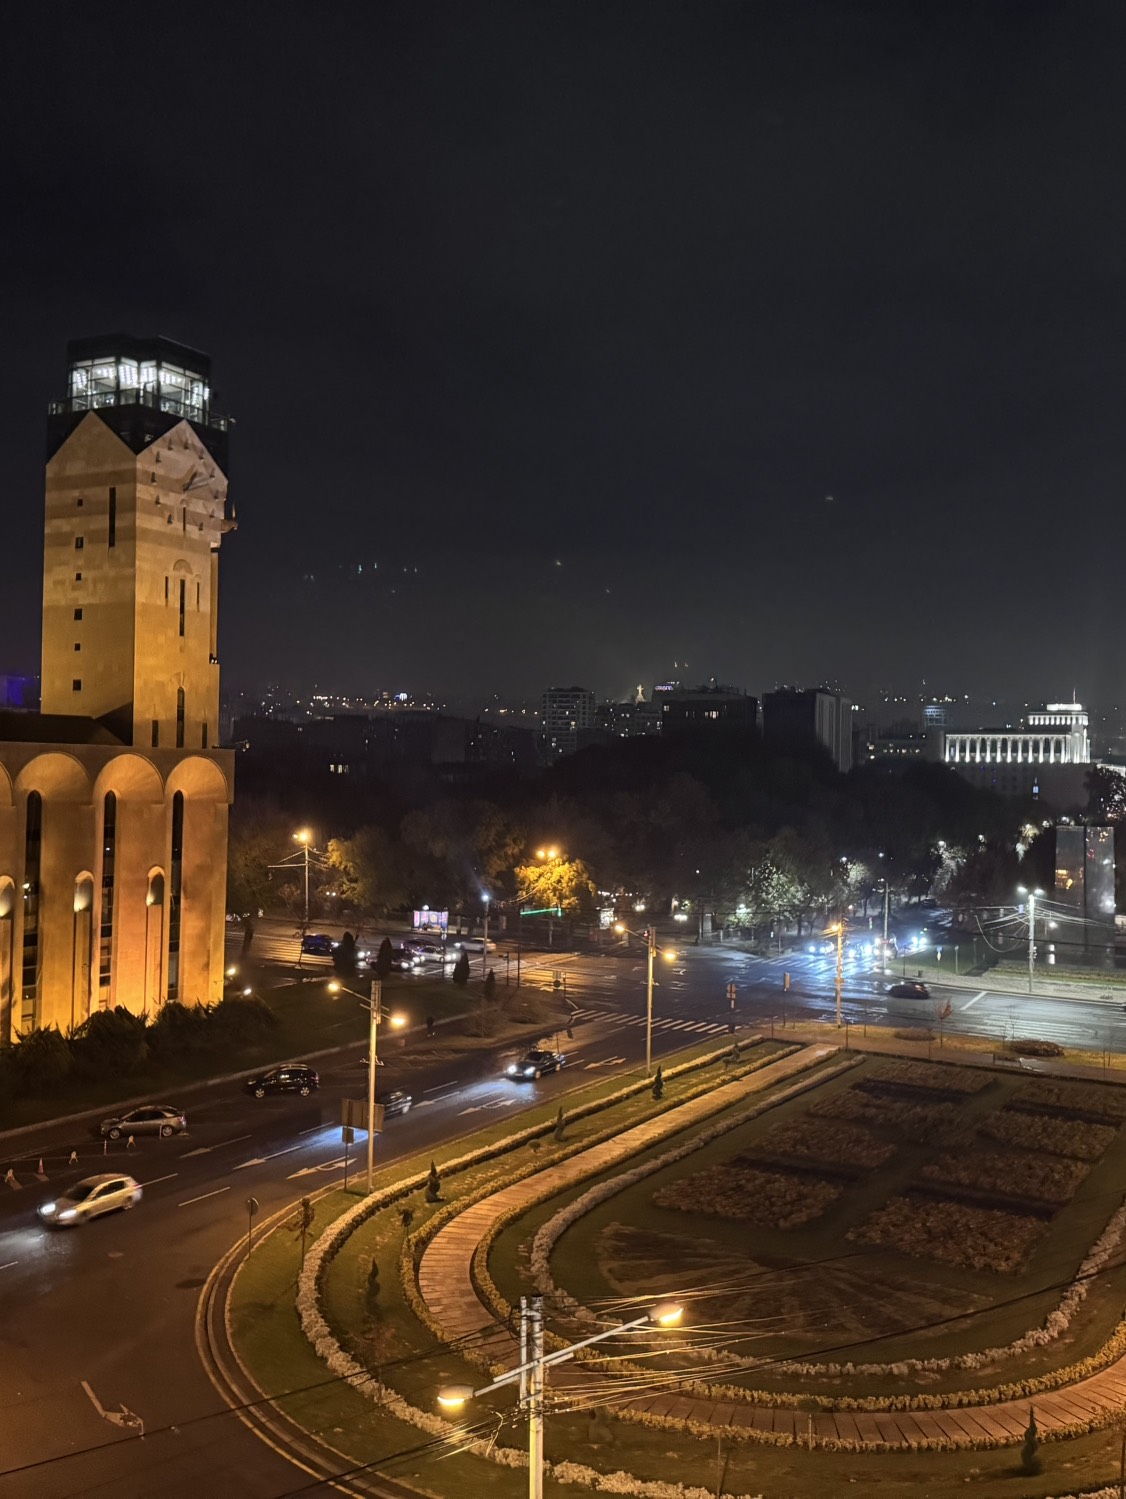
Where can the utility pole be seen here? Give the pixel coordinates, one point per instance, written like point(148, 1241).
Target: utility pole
point(886, 895)
point(485, 945)
point(374, 1017)
point(1031, 938)
point(840, 966)
point(535, 1397)
point(649, 1001)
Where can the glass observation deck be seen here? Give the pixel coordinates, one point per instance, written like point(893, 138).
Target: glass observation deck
point(156, 373)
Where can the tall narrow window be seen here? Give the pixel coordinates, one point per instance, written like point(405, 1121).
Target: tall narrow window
point(156, 733)
point(112, 516)
point(175, 886)
point(203, 741)
point(179, 718)
point(33, 843)
point(109, 854)
point(183, 603)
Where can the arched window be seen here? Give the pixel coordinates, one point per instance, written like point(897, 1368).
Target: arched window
point(175, 886)
point(33, 844)
point(109, 857)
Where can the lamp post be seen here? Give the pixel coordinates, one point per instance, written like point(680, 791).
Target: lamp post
point(485, 942)
point(303, 837)
point(838, 931)
point(1032, 897)
point(374, 1007)
point(529, 1374)
point(669, 955)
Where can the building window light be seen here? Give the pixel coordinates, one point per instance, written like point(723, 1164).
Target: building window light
point(76, 685)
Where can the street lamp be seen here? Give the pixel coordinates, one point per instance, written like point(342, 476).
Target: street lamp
point(1032, 896)
point(838, 931)
point(305, 838)
point(374, 1007)
point(534, 1363)
point(669, 955)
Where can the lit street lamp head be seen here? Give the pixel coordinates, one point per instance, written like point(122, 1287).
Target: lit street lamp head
point(453, 1396)
point(666, 1313)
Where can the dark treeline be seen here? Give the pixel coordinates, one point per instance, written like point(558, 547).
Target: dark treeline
point(719, 820)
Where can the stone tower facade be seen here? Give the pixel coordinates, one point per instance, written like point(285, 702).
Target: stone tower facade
point(114, 797)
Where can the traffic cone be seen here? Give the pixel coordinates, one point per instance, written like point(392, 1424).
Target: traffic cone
point(41, 1174)
point(130, 1144)
point(10, 1180)
point(73, 1158)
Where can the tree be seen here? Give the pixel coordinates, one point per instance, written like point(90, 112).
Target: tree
point(565, 883)
point(433, 1185)
point(302, 1222)
point(658, 1083)
point(369, 868)
point(490, 984)
point(372, 1295)
point(383, 958)
point(557, 1132)
point(460, 974)
point(1029, 1452)
point(406, 1218)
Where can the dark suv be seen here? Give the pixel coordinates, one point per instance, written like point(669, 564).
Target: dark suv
point(294, 1077)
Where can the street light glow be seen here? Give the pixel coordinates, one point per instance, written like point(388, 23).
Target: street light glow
point(304, 836)
point(666, 1313)
point(454, 1396)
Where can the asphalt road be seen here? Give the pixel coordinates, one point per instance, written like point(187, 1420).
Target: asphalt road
point(104, 1316)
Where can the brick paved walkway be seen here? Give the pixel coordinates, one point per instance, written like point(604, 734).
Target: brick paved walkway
point(446, 1284)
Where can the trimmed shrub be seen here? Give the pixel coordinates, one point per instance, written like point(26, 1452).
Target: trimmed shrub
point(179, 1030)
point(111, 1042)
point(241, 1021)
point(41, 1060)
point(460, 974)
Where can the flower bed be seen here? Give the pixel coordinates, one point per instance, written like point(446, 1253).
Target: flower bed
point(1067, 1137)
point(1039, 1178)
point(914, 1121)
point(943, 1078)
point(1102, 1100)
point(816, 1140)
point(751, 1194)
point(956, 1233)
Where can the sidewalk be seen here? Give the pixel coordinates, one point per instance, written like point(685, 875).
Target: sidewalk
point(446, 1282)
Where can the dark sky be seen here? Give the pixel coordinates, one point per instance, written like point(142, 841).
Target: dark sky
point(564, 320)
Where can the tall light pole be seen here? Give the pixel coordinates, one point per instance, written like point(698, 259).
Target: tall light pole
point(529, 1374)
point(838, 931)
point(303, 837)
point(485, 942)
point(374, 1008)
point(1032, 895)
point(669, 955)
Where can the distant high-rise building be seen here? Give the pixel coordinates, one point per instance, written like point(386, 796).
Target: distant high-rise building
point(564, 713)
point(810, 714)
point(1085, 879)
point(710, 704)
point(630, 720)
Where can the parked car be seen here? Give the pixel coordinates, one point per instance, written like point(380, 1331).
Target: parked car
point(911, 989)
point(534, 1063)
point(317, 945)
point(150, 1119)
point(90, 1198)
point(293, 1077)
point(397, 1102)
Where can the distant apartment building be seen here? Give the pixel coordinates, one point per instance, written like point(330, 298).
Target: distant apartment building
point(898, 745)
point(629, 720)
point(709, 705)
point(810, 715)
point(565, 714)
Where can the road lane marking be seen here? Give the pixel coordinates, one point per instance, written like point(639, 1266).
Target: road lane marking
point(9, 1264)
point(437, 1088)
point(206, 1149)
point(312, 1130)
point(206, 1195)
point(260, 1160)
point(156, 1179)
point(975, 999)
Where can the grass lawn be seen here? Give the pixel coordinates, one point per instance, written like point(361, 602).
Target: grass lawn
point(809, 1289)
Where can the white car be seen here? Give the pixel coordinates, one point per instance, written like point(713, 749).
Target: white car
point(475, 944)
point(90, 1199)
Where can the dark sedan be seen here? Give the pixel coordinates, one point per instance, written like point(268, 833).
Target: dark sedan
point(910, 989)
point(294, 1077)
point(535, 1063)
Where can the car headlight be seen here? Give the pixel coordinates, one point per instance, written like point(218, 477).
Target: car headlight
point(48, 1208)
point(67, 1214)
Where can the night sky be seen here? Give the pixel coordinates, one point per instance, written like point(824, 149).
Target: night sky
point(563, 322)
